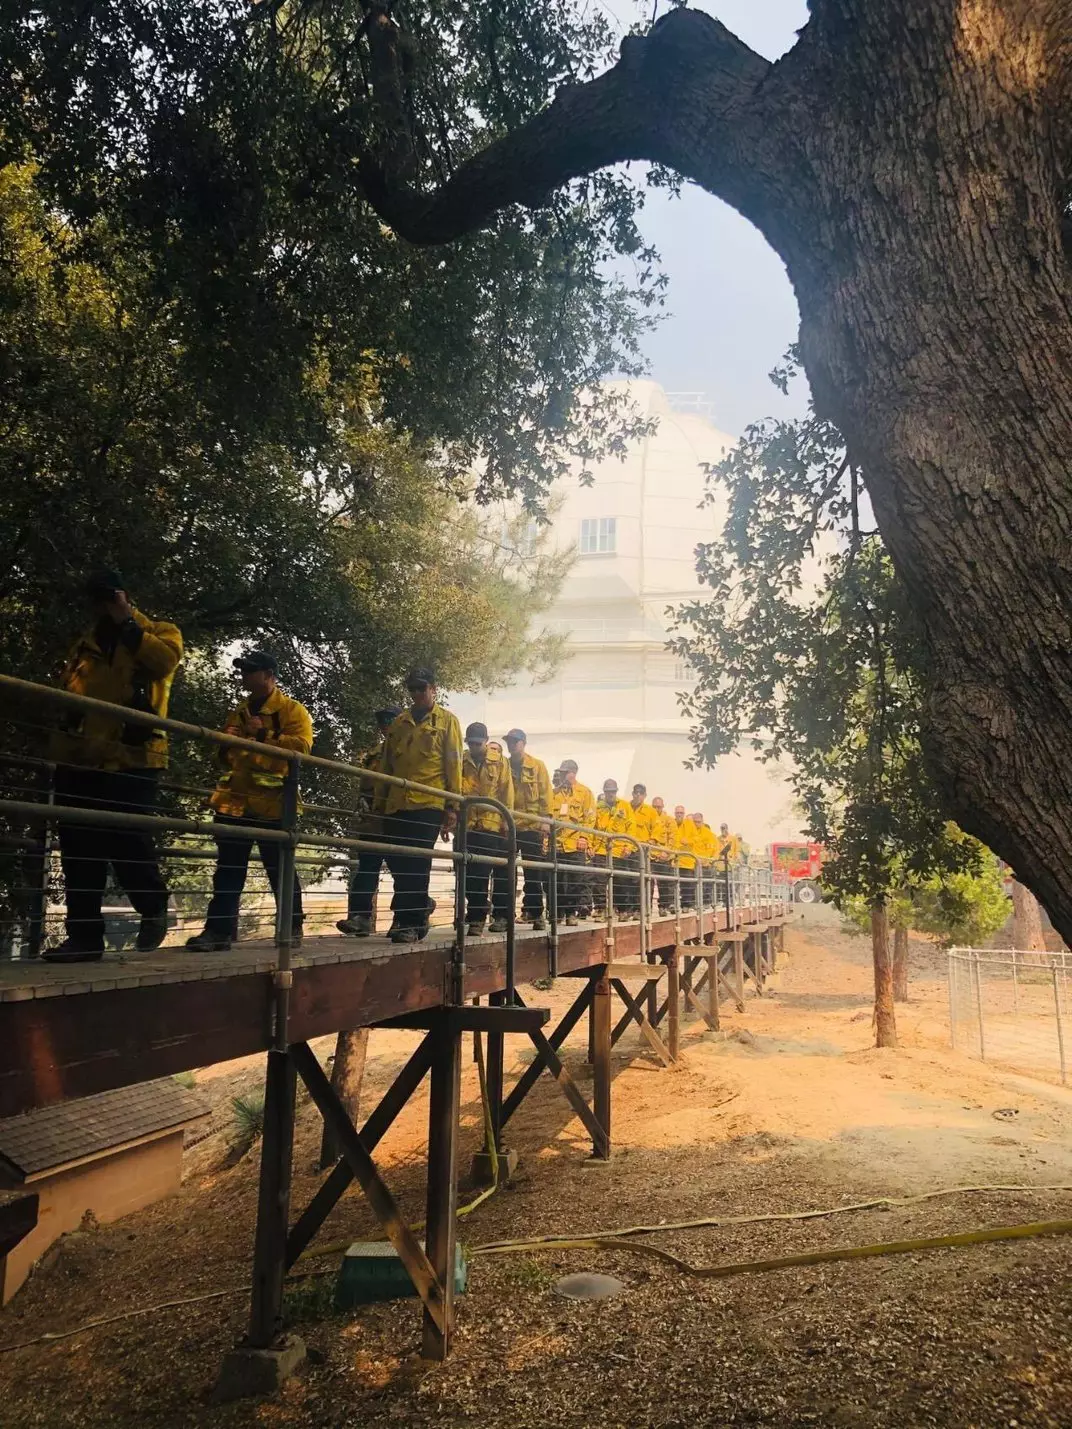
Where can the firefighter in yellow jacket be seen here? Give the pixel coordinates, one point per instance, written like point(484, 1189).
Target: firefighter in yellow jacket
point(486, 771)
point(102, 762)
point(706, 845)
point(250, 791)
point(646, 825)
point(662, 836)
point(573, 801)
point(424, 744)
point(614, 816)
point(532, 797)
point(685, 843)
point(360, 904)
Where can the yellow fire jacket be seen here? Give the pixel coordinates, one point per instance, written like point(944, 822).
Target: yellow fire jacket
point(579, 807)
point(428, 752)
point(616, 818)
point(706, 843)
point(685, 840)
point(662, 833)
point(252, 787)
point(732, 846)
point(532, 790)
point(492, 780)
point(97, 741)
point(645, 823)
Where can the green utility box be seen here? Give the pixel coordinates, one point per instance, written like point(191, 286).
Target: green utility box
point(371, 1270)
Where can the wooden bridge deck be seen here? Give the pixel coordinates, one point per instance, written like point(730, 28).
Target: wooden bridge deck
point(72, 1030)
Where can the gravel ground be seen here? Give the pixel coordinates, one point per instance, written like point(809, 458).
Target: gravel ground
point(795, 1112)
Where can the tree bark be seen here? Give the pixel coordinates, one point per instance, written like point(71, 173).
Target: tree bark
point(1026, 920)
point(885, 1018)
point(914, 175)
point(347, 1074)
point(900, 964)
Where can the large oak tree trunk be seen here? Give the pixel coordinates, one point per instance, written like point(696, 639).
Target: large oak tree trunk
point(885, 1017)
point(347, 1074)
point(911, 165)
point(1026, 920)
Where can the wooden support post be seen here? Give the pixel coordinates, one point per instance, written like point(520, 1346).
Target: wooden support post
point(496, 1058)
point(673, 998)
point(712, 991)
point(600, 1022)
point(738, 973)
point(273, 1201)
point(442, 1203)
point(757, 960)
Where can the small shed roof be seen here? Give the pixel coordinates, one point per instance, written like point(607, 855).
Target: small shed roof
point(88, 1127)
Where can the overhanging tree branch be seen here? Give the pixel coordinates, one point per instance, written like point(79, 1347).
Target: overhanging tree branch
point(688, 94)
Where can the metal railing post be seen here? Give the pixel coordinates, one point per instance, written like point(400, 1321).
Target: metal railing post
point(41, 860)
point(461, 868)
point(552, 906)
point(284, 916)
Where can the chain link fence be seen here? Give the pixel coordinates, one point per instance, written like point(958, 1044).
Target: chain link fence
point(1011, 1007)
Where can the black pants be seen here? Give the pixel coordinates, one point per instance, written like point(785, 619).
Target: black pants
point(666, 895)
point(688, 888)
point(87, 850)
point(530, 846)
point(574, 892)
point(479, 876)
point(232, 865)
point(364, 883)
point(599, 883)
point(628, 899)
point(411, 872)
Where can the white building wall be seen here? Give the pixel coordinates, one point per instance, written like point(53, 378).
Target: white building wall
point(613, 704)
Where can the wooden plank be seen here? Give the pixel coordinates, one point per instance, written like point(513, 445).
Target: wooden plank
point(375, 1128)
point(636, 972)
point(442, 1200)
point(273, 1201)
point(531, 1074)
point(738, 974)
point(58, 1047)
point(496, 1018)
point(712, 992)
point(376, 1192)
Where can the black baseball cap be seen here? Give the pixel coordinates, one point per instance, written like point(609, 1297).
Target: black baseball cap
point(476, 732)
point(255, 660)
point(640, 788)
point(610, 784)
point(515, 734)
point(420, 675)
point(104, 582)
point(569, 766)
point(388, 714)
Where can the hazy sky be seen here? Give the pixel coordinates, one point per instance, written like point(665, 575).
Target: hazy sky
point(731, 311)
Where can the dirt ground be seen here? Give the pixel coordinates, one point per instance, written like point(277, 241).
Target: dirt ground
point(793, 1110)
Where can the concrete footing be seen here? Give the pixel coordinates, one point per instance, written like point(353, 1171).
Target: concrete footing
point(482, 1172)
point(247, 1373)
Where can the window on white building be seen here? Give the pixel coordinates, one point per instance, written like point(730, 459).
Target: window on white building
point(598, 535)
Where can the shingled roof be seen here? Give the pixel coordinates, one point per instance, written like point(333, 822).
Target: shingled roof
point(87, 1127)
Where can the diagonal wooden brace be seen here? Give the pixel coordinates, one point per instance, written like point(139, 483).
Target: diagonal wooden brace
point(637, 1015)
point(375, 1188)
point(342, 1174)
point(573, 1094)
point(531, 1074)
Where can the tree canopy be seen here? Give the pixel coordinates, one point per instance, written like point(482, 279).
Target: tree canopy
point(349, 556)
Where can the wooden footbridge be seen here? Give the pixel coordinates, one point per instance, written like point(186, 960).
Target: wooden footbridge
point(73, 1030)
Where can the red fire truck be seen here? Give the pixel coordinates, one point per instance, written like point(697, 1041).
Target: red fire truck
point(802, 863)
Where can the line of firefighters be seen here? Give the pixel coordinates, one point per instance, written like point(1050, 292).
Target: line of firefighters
point(106, 763)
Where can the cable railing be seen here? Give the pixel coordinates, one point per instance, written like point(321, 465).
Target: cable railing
point(324, 840)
